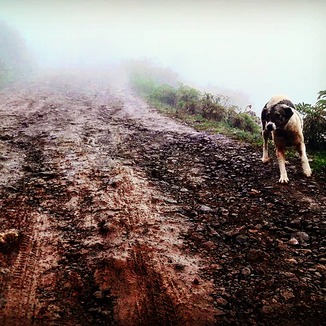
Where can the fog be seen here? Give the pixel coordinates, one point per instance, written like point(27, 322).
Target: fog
point(248, 49)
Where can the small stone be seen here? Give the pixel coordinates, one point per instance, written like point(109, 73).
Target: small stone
point(292, 261)
point(205, 208)
point(170, 200)
point(246, 271)
point(106, 313)
point(224, 211)
point(93, 310)
point(304, 251)
point(302, 236)
point(295, 222)
point(54, 308)
point(291, 276)
point(287, 294)
point(210, 245)
point(318, 274)
point(216, 266)
point(266, 309)
point(254, 192)
point(9, 236)
point(221, 302)
point(321, 268)
point(293, 241)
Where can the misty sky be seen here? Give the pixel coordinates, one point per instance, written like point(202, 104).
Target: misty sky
point(254, 49)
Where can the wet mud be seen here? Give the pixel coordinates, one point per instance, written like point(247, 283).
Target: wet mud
point(112, 214)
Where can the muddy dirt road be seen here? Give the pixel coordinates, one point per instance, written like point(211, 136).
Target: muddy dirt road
point(114, 215)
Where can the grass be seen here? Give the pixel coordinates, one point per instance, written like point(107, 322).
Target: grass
point(174, 101)
point(318, 163)
point(202, 124)
point(318, 158)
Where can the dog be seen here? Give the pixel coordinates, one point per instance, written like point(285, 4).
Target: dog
point(281, 121)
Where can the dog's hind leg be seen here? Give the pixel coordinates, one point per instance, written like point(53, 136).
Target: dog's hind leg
point(304, 160)
point(265, 134)
point(281, 162)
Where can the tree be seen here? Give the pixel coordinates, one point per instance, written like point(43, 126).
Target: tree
point(15, 59)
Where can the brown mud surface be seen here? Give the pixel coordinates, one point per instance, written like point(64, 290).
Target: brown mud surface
point(112, 214)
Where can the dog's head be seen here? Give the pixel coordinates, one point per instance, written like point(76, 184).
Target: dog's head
point(276, 116)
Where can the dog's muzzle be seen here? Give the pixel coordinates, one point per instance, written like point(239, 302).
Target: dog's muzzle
point(271, 126)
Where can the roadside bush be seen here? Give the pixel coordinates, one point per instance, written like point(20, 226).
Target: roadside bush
point(143, 86)
point(213, 111)
point(244, 121)
point(155, 93)
point(165, 94)
point(184, 100)
point(188, 99)
point(315, 122)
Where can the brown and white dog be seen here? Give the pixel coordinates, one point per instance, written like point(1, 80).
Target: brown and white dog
point(281, 120)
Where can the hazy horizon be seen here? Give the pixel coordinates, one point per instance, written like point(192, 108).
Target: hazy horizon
point(251, 49)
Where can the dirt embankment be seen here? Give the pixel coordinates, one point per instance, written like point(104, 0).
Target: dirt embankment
point(114, 215)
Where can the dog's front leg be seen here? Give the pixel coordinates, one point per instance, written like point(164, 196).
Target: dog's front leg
point(304, 160)
point(265, 134)
point(281, 162)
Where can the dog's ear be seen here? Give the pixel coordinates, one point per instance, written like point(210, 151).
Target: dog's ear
point(264, 113)
point(264, 116)
point(288, 112)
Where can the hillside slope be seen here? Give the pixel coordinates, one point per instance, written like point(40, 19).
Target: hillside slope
point(114, 215)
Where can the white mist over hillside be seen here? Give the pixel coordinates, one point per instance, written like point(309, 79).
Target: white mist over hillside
point(249, 50)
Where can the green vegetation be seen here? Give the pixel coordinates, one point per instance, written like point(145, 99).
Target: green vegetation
point(315, 122)
point(314, 129)
point(318, 163)
point(204, 111)
point(15, 60)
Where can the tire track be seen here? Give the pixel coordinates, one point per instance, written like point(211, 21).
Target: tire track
point(20, 291)
point(36, 254)
point(157, 307)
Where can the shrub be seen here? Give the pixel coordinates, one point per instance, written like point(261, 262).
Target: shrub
point(214, 111)
point(211, 110)
point(314, 126)
point(165, 94)
point(188, 99)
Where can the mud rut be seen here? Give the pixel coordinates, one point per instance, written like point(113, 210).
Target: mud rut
point(124, 217)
